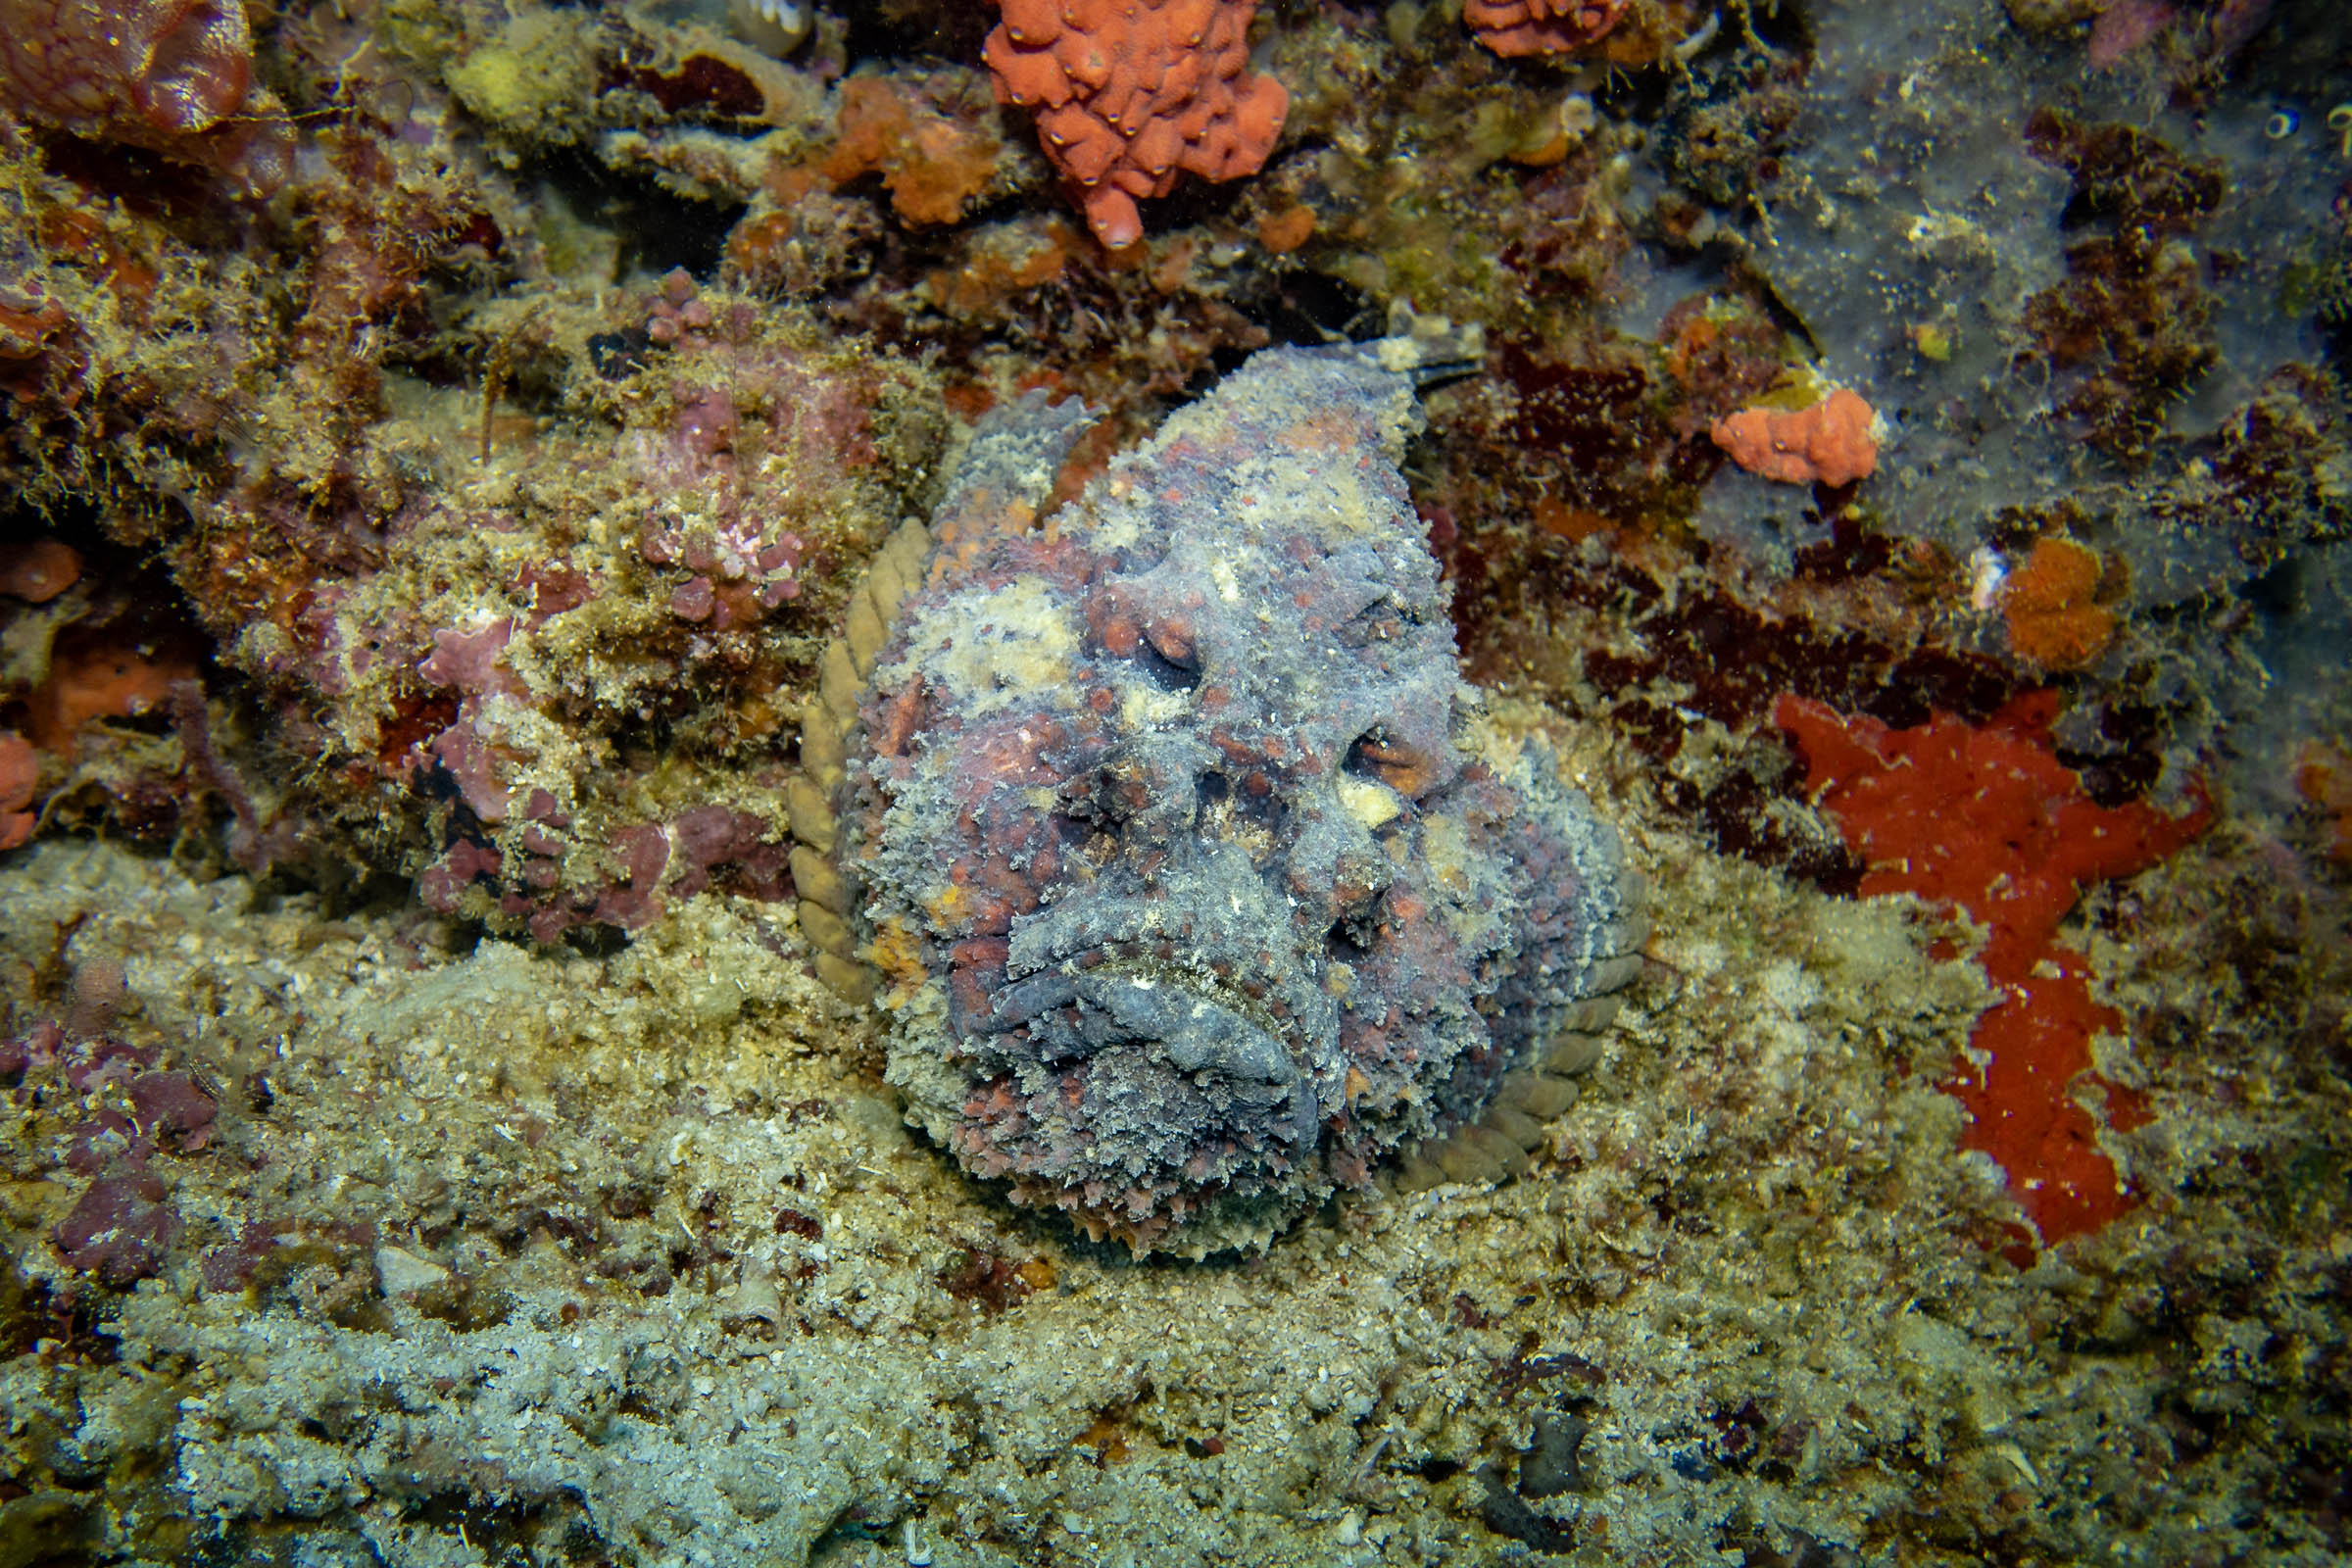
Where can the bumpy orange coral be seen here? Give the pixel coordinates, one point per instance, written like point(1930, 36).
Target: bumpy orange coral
point(1541, 27)
point(1131, 93)
point(2047, 602)
point(1830, 442)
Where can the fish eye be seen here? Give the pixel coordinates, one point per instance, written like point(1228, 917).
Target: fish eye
point(2282, 124)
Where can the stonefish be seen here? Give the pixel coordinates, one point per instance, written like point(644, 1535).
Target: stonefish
point(1190, 875)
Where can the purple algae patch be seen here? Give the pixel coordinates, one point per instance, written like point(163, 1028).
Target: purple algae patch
point(121, 1229)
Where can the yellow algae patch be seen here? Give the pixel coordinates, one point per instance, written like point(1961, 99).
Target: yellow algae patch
point(1485, 739)
point(1368, 803)
point(897, 954)
point(1445, 849)
point(949, 906)
point(531, 81)
point(993, 647)
point(1229, 586)
point(1143, 705)
point(1116, 528)
point(1355, 508)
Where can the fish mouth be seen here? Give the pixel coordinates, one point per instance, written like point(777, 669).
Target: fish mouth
point(1182, 1020)
point(1165, 1040)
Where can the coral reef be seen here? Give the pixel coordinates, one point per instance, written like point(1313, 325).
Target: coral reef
point(1131, 96)
point(460, 464)
point(467, 663)
point(1195, 888)
point(758, 453)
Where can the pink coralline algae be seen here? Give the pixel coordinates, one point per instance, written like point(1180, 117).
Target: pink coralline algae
point(1131, 93)
point(749, 427)
point(741, 561)
point(490, 668)
point(135, 1121)
point(121, 1228)
point(636, 867)
point(174, 77)
point(1195, 881)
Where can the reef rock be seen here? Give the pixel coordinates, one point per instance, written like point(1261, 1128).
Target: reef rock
point(1196, 879)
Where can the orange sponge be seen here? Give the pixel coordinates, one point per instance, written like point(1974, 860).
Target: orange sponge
point(2048, 603)
point(1130, 94)
point(1830, 442)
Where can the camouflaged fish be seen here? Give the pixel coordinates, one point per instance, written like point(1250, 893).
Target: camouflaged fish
point(1164, 828)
